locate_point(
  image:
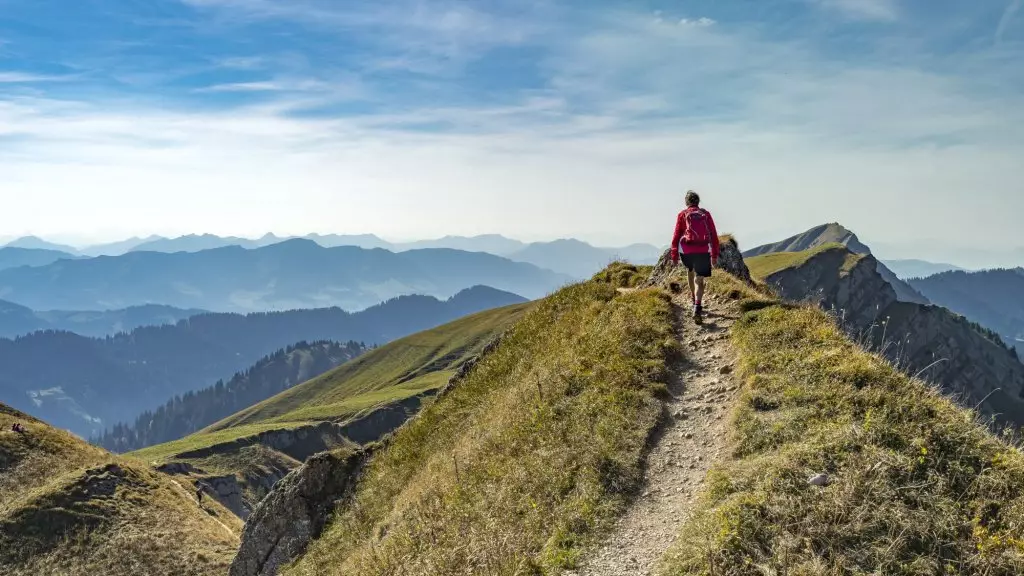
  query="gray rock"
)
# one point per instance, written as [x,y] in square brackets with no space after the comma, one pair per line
[284,523]
[818,480]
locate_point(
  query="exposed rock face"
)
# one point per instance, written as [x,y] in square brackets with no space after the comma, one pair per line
[179,468]
[295,513]
[924,340]
[302,442]
[856,295]
[729,259]
[297,509]
[228,492]
[836,234]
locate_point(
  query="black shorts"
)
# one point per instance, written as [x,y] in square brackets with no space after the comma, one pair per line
[699,263]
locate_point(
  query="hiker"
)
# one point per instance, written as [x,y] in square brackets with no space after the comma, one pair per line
[17,427]
[695,242]
[199,494]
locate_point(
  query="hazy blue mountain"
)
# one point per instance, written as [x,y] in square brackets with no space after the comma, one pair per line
[578,259]
[637,253]
[17,320]
[12,257]
[992,298]
[119,247]
[286,275]
[200,242]
[835,233]
[86,384]
[368,241]
[36,243]
[490,243]
[914,268]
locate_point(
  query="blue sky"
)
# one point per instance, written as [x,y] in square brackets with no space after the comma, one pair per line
[534,118]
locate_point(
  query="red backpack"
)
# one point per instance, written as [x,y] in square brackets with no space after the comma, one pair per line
[698,231]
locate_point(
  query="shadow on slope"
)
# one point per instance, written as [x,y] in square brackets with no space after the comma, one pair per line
[69,508]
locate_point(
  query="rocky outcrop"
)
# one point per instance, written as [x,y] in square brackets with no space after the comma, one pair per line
[281,527]
[179,468]
[228,491]
[304,441]
[730,260]
[846,284]
[921,339]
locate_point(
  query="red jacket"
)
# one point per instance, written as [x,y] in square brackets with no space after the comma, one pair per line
[677,238]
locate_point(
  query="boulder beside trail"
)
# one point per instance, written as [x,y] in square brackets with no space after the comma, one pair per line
[730,259]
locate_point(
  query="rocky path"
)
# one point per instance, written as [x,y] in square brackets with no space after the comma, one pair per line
[691,438]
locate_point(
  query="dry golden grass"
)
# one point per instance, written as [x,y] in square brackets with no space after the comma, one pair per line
[519,467]
[69,508]
[917,486]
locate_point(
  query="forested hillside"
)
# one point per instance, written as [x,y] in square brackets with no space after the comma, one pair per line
[192,411]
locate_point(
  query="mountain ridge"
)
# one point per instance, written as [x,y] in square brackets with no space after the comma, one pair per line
[117,377]
[288,275]
[835,233]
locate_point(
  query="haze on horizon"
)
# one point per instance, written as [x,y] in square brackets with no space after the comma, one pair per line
[901,119]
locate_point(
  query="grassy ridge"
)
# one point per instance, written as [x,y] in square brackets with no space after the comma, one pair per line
[516,469]
[398,370]
[916,485]
[768,264]
[70,508]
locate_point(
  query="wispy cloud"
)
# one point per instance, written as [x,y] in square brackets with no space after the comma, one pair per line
[1008,16]
[878,10]
[432,104]
[25,78]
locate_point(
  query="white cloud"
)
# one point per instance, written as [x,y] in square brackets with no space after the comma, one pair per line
[879,10]
[633,112]
[699,22]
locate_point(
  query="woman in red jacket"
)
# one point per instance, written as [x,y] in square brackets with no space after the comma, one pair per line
[695,242]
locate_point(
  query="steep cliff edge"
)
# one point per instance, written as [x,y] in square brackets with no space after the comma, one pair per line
[966,361]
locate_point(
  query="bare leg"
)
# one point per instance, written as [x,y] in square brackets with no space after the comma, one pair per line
[700,290]
[690,277]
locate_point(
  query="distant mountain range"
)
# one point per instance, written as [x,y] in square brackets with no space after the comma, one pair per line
[992,298]
[86,384]
[567,256]
[13,257]
[287,275]
[834,233]
[17,320]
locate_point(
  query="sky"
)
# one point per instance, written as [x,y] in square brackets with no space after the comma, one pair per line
[901,119]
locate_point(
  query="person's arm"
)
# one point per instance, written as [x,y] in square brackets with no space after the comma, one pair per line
[715,244]
[677,236]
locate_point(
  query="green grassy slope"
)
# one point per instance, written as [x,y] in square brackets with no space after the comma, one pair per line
[917,486]
[767,264]
[69,508]
[398,370]
[519,467]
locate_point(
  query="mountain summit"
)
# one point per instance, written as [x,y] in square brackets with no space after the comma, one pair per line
[835,233]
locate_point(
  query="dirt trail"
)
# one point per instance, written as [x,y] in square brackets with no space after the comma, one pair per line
[192,501]
[691,438]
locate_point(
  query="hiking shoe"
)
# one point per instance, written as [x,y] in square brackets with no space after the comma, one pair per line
[698,312]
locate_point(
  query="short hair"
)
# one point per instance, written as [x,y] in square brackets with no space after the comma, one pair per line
[692,198]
